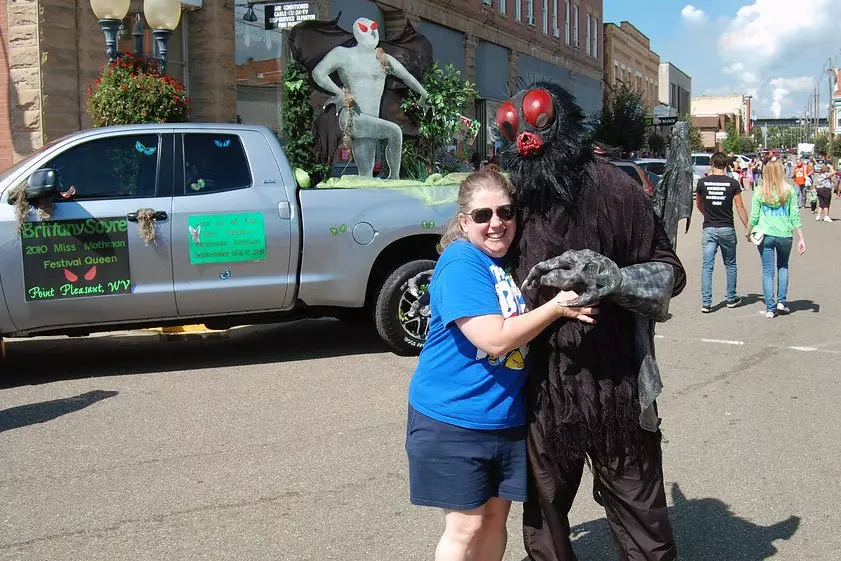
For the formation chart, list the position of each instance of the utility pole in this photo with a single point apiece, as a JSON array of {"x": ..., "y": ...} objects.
[{"x": 831, "y": 122}]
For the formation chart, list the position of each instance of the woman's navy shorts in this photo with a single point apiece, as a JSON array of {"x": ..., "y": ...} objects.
[{"x": 461, "y": 469}]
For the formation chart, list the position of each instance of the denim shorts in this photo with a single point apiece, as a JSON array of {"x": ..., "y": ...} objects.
[{"x": 457, "y": 468}]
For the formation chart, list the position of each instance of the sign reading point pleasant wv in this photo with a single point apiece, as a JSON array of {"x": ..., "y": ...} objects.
[
  {"x": 75, "y": 258},
  {"x": 226, "y": 238}
]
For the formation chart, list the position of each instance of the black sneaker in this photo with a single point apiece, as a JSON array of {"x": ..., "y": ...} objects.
[
  {"x": 705, "y": 309},
  {"x": 734, "y": 302}
]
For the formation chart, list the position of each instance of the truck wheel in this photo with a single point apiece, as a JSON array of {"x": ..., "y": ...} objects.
[{"x": 405, "y": 333}]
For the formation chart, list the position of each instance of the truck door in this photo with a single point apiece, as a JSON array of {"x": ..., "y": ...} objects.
[
  {"x": 95, "y": 257},
  {"x": 231, "y": 220}
]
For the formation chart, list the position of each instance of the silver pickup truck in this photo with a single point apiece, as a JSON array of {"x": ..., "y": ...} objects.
[{"x": 154, "y": 225}]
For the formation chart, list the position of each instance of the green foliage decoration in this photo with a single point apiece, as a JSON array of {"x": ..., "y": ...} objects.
[
  {"x": 297, "y": 117},
  {"x": 621, "y": 124},
  {"x": 448, "y": 98},
  {"x": 132, "y": 91}
]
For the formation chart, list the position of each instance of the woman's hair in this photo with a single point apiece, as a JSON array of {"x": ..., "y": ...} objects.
[
  {"x": 826, "y": 168},
  {"x": 485, "y": 180},
  {"x": 774, "y": 187}
]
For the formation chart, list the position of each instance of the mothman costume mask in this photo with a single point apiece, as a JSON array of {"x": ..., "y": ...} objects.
[{"x": 586, "y": 226}]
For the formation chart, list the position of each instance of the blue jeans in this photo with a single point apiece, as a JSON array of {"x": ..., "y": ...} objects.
[
  {"x": 711, "y": 240},
  {"x": 774, "y": 249}
]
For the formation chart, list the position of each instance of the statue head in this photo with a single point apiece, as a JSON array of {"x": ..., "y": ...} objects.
[{"x": 366, "y": 33}]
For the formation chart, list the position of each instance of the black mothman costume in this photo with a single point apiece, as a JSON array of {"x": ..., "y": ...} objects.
[{"x": 591, "y": 388}]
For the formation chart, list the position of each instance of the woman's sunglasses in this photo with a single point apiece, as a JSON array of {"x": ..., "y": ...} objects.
[{"x": 484, "y": 215}]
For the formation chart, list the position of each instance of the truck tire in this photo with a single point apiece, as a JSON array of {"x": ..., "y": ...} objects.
[{"x": 404, "y": 335}]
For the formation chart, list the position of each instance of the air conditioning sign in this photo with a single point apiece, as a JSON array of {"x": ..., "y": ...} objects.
[{"x": 287, "y": 15}]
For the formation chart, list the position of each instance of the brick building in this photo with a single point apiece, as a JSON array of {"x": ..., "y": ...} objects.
[
  {"x": 628, "y": 58},
  {"x": 231, "y": 63}
]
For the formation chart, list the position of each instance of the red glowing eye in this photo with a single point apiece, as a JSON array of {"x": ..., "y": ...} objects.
[
  {"x": 70, "y": 276},
  {"x": 374, "y": 26},
  {"x": 363, "y": 27},
  {"x": 507, "y": 120},
  {"x": 538, "y": 108}
]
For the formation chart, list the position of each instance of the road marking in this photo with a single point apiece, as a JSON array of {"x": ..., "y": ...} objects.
[
  {"x": 743, "y": 343},
  {"x": 723, "y": 341}
]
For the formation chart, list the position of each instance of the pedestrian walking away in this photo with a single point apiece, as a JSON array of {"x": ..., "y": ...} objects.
[
  {"x": 802, "y": 174},
  {"x": 465, "y": 433},
  {"x": 823, "y": 191},
  {"x": 774, "y": 219},
  {"x": 716, "y": 196}
]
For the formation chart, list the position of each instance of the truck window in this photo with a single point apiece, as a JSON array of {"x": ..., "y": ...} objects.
[
  {"x": 214, "y": 163},
  {"x": 116, "y": 167}
]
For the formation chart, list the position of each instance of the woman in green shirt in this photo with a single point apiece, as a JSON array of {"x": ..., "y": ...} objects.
[{"x": 774, "y": 213}]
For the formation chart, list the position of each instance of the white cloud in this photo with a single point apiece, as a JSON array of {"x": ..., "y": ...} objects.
[
  {"x": 782, "y": 88},
  {"x": 692, "y": 14},
  {"x": 769, "y": 39}
]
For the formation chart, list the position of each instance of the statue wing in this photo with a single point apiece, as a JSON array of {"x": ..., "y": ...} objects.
[
  {"x": 413, "y": 50},
  {"x": 673, "y": 194},
  {"x": 310, "y": 41}
]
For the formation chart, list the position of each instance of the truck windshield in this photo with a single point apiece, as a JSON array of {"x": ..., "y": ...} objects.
[{"x": 26, "y": 160}]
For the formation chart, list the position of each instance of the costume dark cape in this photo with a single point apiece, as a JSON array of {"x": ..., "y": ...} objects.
[{"x": 584, "y": 395}]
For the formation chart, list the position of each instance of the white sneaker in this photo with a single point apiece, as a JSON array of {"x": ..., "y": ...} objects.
[
  {"x": 827, "y": 219},
  {"x": 818, "y": 218},
  {"x": 770, "y": 315}
]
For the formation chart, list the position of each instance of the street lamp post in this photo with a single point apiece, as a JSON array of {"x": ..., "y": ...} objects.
[{"x": 163, "y": 17}]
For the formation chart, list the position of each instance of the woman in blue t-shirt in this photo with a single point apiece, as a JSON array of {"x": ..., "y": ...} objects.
[{"x": 465, "y": 435}]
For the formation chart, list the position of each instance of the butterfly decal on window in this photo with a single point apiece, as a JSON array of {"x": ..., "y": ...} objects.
[
  {"x": 73, "y": 277},
  {"x": 195, "y": 233},
  {"x": 147, "y": 151},
  {"x": 222, "y": 143},
  {"x": 336, "y": 230},
  {"x": 198, "y": 185}
]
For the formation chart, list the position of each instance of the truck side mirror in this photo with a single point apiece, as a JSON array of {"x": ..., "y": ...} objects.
[{"x": 42, "y": 184}]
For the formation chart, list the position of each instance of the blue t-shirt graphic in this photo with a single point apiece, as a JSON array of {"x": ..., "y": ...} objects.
[{"x": 455, "y": 382}]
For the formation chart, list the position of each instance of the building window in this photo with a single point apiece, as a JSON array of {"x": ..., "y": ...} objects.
[
  {"x": 502, "y": 6},
  {"x": 259, "y": 69},
  {"x": 518, "y": 10},
  {"x": 556, "y": 31},
  {"x": 595, "y": 38},
  {"x": 566, "y": 22},
  {"x": 530, "y": 11},
  {"x": 587, "y": 41},
  {"x": 545, "y": 16},
  {"x": 575, "y": 40}
]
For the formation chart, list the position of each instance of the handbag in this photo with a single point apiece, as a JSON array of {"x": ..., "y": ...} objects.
[{"x": 756, "y": 236}]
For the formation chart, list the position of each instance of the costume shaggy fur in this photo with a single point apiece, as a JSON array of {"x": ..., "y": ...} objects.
[{"x": 582, "y": 391}]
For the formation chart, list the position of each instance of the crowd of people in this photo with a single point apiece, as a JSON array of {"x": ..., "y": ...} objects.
[{"x": 773, "y": 222}]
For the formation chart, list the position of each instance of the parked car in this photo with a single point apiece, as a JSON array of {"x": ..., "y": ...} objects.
[
  {"x": 170, "y": 224},
  {"x": 700, "y": 166},
  {"x": 657, "y": 166},
  {"x": 645, "y": 179}
]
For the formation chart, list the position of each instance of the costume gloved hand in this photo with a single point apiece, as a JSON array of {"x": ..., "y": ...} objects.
[
  {"x": 645, "y": 288},
  {"x": 418, "y": 287},
  {"x": 592, "y": 275}
]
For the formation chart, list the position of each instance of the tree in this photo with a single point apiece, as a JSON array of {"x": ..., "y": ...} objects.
[
  {"x": 657, "y": 144},
  {"x": 297, "y": 113},
  {"x": 730, "y": 145},
  {"x": 821, "y": 144},
  {"x": 621, "y": 123},
  {"x": 696, "y": 139},
  {"x": 448, "y": 98},
  {"x": 745, "y": 145}
]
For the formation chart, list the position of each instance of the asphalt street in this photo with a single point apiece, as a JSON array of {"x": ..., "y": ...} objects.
[{"x": 286, "y": 441}]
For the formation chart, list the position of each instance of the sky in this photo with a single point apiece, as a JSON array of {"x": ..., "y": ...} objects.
[{"x": 774, "y": 50}]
